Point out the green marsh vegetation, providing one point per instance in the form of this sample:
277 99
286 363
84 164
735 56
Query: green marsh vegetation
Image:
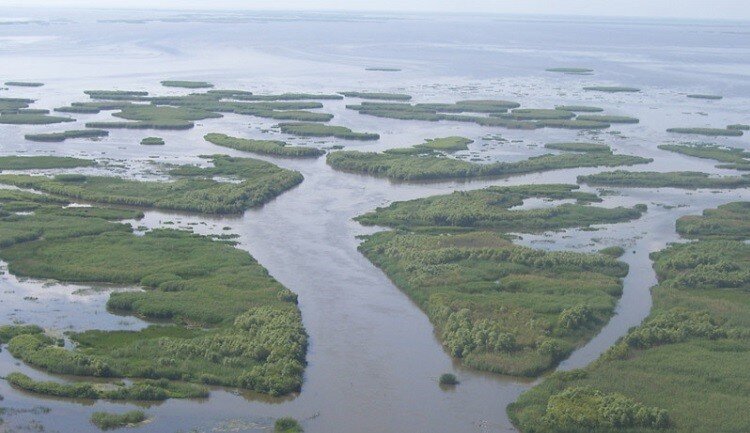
709 132
225 320
541 114
306 129
155 117
152 141
447 144
448 379
608 118
42 162
580 108
382 69
495 208
32 117
24 83
684 368
572 71
701 96
145 390
109 421
377 96
672 179
498 306
287 425
578 146
263 147
423 164
114 95
93 107
731 157
62 136
612 89
193 190
187 84
739 127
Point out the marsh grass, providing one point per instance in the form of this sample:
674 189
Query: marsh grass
305 129
187 84
62 136
377 96
263 147
109 421
709 132
673 179
42 162
731 157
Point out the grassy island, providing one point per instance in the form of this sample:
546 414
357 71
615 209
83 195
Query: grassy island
424 164
572 71
187 84
709 132
108 421
305 129
701 96
31 117
447 144
193 190
115 95
23 84
382 69
612 89
579 147
377 96
155 117
152 141
62 136
672 179
580 108
495 305
680 370
541 114
222 319
731 157
739 127
607 118
263 147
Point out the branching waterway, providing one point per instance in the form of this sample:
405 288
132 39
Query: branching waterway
373 358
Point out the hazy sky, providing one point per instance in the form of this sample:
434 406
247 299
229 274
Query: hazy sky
710 9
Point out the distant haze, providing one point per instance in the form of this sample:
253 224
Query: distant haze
697 9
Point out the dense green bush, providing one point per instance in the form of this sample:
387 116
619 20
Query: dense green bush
287 425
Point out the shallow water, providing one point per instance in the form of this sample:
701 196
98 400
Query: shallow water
373 358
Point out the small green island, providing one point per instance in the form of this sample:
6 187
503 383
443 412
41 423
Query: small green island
306 129
187 84
690 352
42 162
708 132
109 421
377 96
704 96
612 89
572 71
580 108
263 147
578 146
152 141
24 84
730 157
62 136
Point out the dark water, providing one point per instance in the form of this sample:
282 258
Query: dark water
373 358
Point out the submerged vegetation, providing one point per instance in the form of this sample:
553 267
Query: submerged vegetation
681 369
731 157
305 129
263 147
62 136
194 190
399 164
225 320
109 421
672 179
498 306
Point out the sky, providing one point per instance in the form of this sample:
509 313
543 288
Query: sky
705 9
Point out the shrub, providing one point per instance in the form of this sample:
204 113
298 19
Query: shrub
448 379
287 425
108 421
